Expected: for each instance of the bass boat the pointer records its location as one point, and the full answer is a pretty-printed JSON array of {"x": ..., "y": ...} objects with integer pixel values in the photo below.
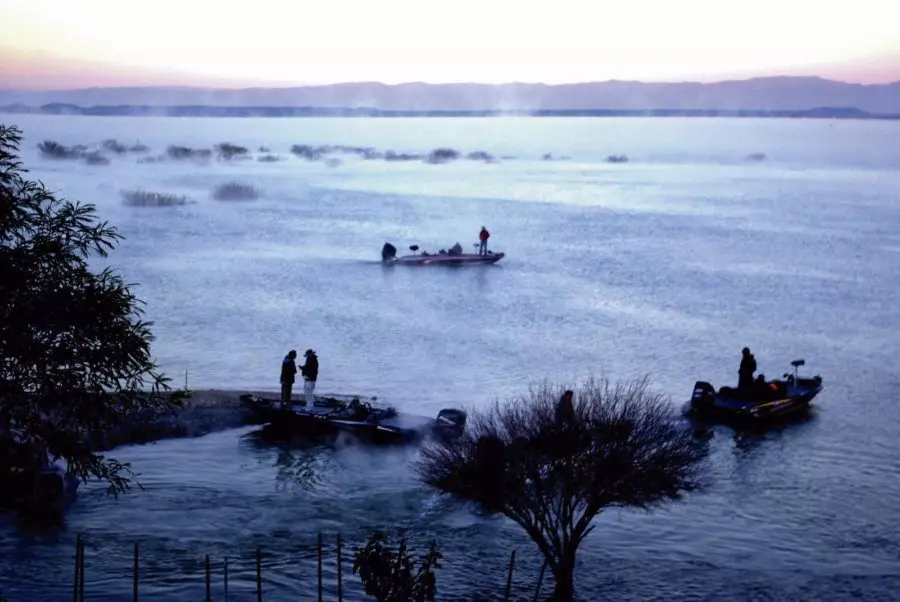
[
  {"x": 765, "y": 400},
  {"x": 330, "y": 416},
  {"x": 442, "y": 257}
]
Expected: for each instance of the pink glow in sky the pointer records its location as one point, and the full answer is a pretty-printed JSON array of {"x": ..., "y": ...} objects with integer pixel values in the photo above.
[{"x": 64, "y": 44}]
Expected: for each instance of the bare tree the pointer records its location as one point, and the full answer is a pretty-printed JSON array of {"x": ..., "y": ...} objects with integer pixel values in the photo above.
[{"x": 552, "y": 471}]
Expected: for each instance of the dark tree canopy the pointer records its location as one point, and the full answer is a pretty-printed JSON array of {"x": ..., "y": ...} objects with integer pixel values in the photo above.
[
  {"x": 553, "y": 471},
  {"x": 74, "y": 351}
]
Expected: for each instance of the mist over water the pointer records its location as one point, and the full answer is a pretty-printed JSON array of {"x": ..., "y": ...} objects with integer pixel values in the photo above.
[{"x": 665, "y": 265}]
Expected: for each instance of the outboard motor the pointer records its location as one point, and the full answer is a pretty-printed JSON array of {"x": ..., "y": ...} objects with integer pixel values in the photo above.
[
  {"x": 703, "y": 397},
  {"x": 450, "y": 423},
  {"x": 388, "y": 252}
]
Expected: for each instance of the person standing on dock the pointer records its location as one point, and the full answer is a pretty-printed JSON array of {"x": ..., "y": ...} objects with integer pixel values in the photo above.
[
  {"x": 483, "y": 237},
  {"x": 288, "y": 372},
  {"x": 310, "y": 372}
]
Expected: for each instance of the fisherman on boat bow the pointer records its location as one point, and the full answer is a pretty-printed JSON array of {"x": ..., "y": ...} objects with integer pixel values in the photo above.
[{"x": 483, "y": 237}]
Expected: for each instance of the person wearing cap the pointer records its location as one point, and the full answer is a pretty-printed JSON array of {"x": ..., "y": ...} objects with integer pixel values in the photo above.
[
  {"x": 310, "y": 371},
  {"x": 288, "y": 371}
]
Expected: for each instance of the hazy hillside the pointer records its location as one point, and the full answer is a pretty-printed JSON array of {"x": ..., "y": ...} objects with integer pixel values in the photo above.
[{"x": 765, "y": 94}]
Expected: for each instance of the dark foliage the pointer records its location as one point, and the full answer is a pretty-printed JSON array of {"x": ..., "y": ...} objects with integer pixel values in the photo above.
[
  {"x": 442, "y": 155},
  {"x": 55, "y": 150},
  {"x": 235, "y": 191},
  {"x": 227, "y": 151},
  {"x": 183, "y": 152},
  {"x": 391, "y": 575},
  {"x": 74, "y": 351},
  {"x": 552, "y": 472}
]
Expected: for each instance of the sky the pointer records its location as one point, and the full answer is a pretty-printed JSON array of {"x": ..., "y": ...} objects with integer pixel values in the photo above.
[{"x": 59, "y": 44}]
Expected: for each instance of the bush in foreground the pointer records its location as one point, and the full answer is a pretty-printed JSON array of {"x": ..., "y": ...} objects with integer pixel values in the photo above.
[
  {"x": 392, "y": 575},
  {"x": 552, "y": 467},
  {"x": 235, "y": 191}
]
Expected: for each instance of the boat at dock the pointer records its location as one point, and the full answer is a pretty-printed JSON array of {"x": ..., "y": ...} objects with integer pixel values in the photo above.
[{"x": 362, "y": 419}]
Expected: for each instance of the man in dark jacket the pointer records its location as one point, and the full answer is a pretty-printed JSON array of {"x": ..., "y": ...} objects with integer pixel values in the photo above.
[
  {"x": 288, "y": 371},
  {"x": 745, "y": 372},
  {"x": 483, "y": 237},
  {"x": 310, "y": 372}
]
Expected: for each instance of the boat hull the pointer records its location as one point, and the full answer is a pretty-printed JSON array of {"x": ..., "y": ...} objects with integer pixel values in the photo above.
[
  {"x": 331, "y": 418},
  {"x": 452, "y": 260},
  {"x": 780, "y": 400}
]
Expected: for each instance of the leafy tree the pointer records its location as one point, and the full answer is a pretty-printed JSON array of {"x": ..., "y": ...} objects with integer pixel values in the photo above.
[
  {"x": 390, "y": 575},
  {"x": 552, "y": 468},
  {"x": 74, "y": 351}
]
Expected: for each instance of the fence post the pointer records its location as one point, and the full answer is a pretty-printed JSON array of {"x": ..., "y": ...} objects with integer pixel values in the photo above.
[
  {"x": 81, "y": 573},
  {"x": 258, "y": 575},
  {"x": 512, "y": 563},
  {"x": 319, "y": 556},
  {"x": 537, "y": 591},
  {"x": 339, "y": 577},
  {"x": 208, "y": 581},
  {"x": 135, "y": 571},
  {"x": 77, "y": 568}
]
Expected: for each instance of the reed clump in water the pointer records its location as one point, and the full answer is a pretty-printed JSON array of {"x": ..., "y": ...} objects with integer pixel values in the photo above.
[
  {"x": 235, "y": 191},
  {"x": 144, "y": 198},
  {"x": 55, "y": 150}
]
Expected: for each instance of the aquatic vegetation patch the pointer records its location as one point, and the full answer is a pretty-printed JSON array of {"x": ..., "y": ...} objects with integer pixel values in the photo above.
[
  {"x": 269, "y": 158},
  {"x": 55, "y": 150},
  {"x": 144, "y": 198},
  {"x": 95, "y": 158},
  {"x": 442, "y": 155},
  {"x": 228, "y": 151},
  {"x": 310, "y": 153},
  {"x": 114, "y": 146},
  {"x": 235, "y": 191},
  {"x": 183, "y": 152},
  {"x": 481, "y": 156}
]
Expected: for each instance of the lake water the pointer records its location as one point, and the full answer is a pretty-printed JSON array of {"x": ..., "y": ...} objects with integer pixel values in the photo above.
[{"x": 666, "y": 265}]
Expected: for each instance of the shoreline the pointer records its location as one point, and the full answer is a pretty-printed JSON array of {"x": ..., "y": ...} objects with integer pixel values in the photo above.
[
  {"x": 274, "y": 112},
  {"x": 204, "y": 411}
]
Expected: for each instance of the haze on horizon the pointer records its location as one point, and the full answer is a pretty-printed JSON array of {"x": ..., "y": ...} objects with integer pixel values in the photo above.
[{"x": 57, "y": 44}]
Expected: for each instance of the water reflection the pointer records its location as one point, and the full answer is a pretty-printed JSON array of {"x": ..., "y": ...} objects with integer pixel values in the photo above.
[
  {"x": 299, "y": 464},
  {"x": 747, "y": 441}
]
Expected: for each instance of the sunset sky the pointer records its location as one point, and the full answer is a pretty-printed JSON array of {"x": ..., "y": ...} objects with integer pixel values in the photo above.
[{"x": 69, "y": 44}]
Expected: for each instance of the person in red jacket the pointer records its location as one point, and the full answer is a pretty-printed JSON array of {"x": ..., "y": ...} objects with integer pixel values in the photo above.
[{"x": 483, "y": 236}]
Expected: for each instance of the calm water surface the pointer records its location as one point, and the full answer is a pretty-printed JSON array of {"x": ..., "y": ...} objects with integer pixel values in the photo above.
[{"x": 666, "y": 265}]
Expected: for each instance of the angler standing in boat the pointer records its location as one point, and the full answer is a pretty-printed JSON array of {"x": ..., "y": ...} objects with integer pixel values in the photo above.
[
  {"x": 288, "y": 372},
  {"x": 745, "y": 372},
  {"x": 483, "y": 236},
  {"x": 310, "y": 372}
]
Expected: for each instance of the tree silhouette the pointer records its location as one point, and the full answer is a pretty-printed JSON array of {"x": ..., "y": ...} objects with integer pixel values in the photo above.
[
  {"x": 74, "y": 351},
  {"x": 552, "y": 469}
]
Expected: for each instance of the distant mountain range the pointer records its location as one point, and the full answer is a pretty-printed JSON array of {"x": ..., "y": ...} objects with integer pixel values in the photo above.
[{"x": 769, "y": 96}]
